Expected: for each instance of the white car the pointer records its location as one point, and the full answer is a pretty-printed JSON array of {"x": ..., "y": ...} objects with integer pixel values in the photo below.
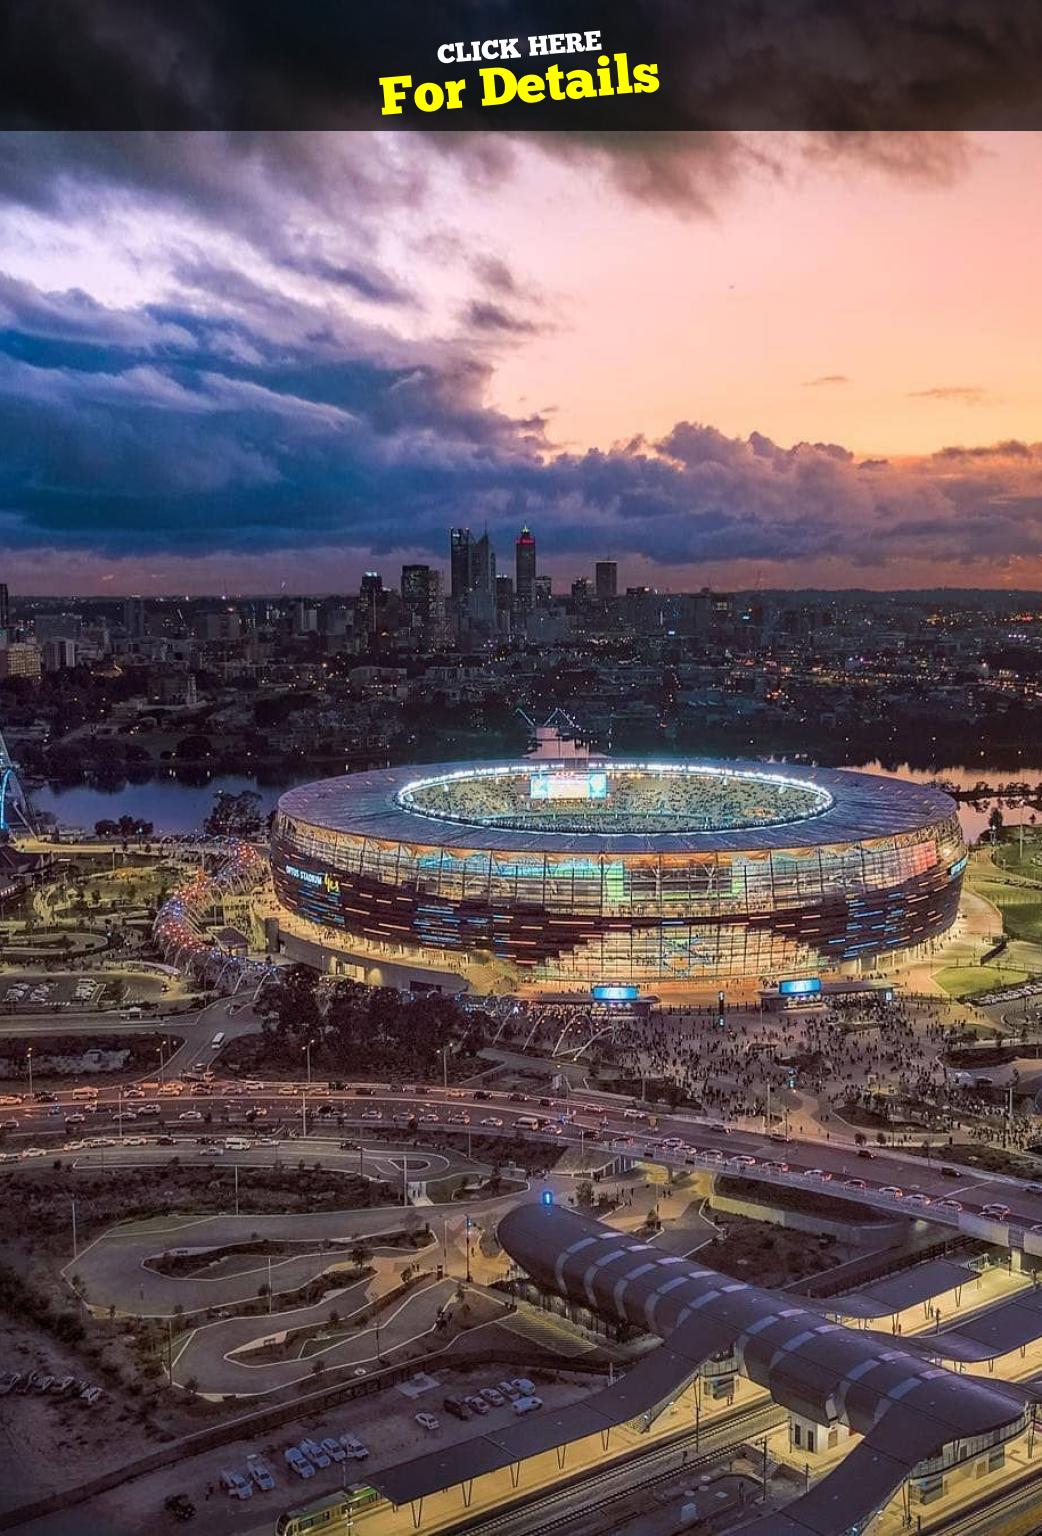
[
  {"x": 261, "y": 1473},
  {"x": 527, "y": 1405},
  {"x": 354, "y": 1447},
  {"x": 333, "y": 1449},
  {"x": 236, "y": 1486},
  {"x": 190, "y": 1114},
  {"x": 426, "y": 1421},
  {"x": 294, "y": 1457}
]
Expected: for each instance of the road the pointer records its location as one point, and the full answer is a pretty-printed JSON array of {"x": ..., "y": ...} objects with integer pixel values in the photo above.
[{"x": 886, "y": 1179}]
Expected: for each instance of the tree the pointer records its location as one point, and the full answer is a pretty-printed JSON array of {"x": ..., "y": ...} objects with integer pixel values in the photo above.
[{"x": 234, "y": 815}]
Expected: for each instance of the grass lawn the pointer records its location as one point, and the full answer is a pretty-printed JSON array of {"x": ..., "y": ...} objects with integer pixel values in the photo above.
[
  {"x": 1020, "y": 905},
  {"x": 964, "y": 980}
]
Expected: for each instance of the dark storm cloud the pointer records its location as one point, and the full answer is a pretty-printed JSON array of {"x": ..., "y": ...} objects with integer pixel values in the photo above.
[
  {"x": 265, "y": 426},
  {"x": 853, "y": 65}
]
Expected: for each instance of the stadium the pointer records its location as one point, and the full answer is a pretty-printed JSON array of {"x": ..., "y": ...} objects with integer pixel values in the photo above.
[{"x": 557, "y": 876}]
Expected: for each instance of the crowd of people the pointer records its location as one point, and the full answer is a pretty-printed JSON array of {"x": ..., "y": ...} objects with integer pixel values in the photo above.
[{"x": 861, "y": 1063}]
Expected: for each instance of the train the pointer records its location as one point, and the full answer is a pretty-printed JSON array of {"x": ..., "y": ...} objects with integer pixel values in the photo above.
[{"x": 328, "y": 1514}]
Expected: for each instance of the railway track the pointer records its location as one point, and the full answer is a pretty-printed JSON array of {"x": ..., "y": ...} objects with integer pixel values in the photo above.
[
  {"x": 559, "y": 1508},
  {"x": 997, "y": 1515}
]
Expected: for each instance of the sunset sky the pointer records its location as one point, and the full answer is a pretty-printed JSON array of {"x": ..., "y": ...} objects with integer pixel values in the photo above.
[{"x": 245, "y": 362}]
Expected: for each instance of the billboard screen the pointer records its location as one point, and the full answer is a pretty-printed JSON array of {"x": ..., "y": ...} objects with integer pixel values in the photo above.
[
  {"x": 801, "y": 986},
  {"x": 615, "y": 994},
  {"x": 568, "y": 786}
]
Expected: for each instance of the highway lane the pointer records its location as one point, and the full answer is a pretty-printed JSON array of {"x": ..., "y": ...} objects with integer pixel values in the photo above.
[{"x": 589, "y": 1119}]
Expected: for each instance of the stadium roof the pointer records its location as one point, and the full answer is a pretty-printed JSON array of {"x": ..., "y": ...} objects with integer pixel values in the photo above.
[{"x": 864, "y": 806}]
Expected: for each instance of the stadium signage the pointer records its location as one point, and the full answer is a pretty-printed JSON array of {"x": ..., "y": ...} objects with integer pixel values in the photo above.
[{"x": 305, "y": 876}]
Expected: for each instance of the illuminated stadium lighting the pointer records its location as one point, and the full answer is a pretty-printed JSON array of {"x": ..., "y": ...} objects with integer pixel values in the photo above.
[{"x": 684, "y": 872}]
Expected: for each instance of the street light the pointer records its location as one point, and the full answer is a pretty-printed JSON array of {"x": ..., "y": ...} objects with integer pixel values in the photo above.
[
  {"x": 307, "y": 1052},
  {"x": 29, "y": 1059}
]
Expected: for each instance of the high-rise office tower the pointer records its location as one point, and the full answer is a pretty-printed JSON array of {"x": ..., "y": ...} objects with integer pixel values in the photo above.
[
  {"x": 5, "y": 607},
  {"x": 421, "y": 589},
  {"x": 606, "y": 579},
  {"x": 524, "y": 570},
  {"x": 459, "y": 563}
]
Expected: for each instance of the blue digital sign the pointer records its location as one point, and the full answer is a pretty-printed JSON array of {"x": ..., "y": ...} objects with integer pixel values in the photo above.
[
  {"x": 800, "y": 986},
  {"x": 615, "y": 994}
]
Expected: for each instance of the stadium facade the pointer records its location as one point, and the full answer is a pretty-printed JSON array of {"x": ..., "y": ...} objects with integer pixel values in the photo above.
[{"x": 560, "y": 875}]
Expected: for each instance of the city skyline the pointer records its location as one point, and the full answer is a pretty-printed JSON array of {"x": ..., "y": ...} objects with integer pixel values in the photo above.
[{"x": 736, "y": 360}]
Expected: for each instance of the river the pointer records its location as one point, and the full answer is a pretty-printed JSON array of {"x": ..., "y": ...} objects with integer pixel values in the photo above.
[{"x": 174, "y": 806}]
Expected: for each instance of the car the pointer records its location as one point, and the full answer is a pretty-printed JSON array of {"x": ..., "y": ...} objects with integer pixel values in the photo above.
[
  {"x": 854, "y": 1184},
  {"x": 508, "y": 1390},
  {"x": 868, "y": 1156},
  {"x": 821, "y": 1174},
  {"x": 949, "y": 1207},
  {"x": 919, "y": 1199},
  {"x": 90, "y": 1395},
  {"x": 995, "y": 1210},
  {"x": 333, "y": 1449},
  {"x": 492, "y": 1120},
  {"x": 66, "y": 1384},
  {"x": 316, "y": 1455},
  {"x": 372, "y": 1114},
  {"x": 458, "y": 1409},
  {"x": 354, "y": 1447},
  {"x": 54, "y": 1109},
  {"x": 476, "y": 1404},
  {"x": 236, "y": 1486},
  {"x": 775, "y": 1167},
  {"x": 743, "y": 1160},
  {"x": 212, "y": 1152},
  {"x": 294, "y": 1457},
  {"x": 492, "y": 1395},
  {"x": 164, "y": 1141},
  {"x": 892, "y": 1192},
  {"x": 194, "y": 1115},
  {"x": 135, "y": 1141},
  {"x": 460, "y": 1117},
  {"x": 75, "y": 1119},
  {"x": 527, "y": 1405},
  {"x": 8, "y": 1381},
  {"x": 260, "y": 1473},
  {"x": 950, "y": 1173},
  {"x": 523, "y": 1386},
  {"x": 427, "y": 1421}
]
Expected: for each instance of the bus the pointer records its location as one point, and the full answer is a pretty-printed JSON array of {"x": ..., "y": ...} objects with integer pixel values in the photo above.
[
  {"x": 331, "y": 1512},
  {"x": 527, "y": 1123},
  {"x": 217, "y": 1041}
]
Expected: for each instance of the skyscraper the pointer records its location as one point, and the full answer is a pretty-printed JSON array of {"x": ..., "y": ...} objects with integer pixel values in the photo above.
[
  {"x": 421, "y": 589},
  {"x": 370, "y": 596},
  {"x": 459, "y": 564},
  {"x": 5, "y": 607},
  {"x": 483, "y": 566},
  {"x": 606, "y": 579},
  {"x": 524, "y": 570}
]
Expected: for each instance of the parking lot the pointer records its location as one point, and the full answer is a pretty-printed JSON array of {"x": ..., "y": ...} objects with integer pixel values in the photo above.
[
  {"x": 22, "y": 994},
  {"x": 386, "y": 1428}
]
